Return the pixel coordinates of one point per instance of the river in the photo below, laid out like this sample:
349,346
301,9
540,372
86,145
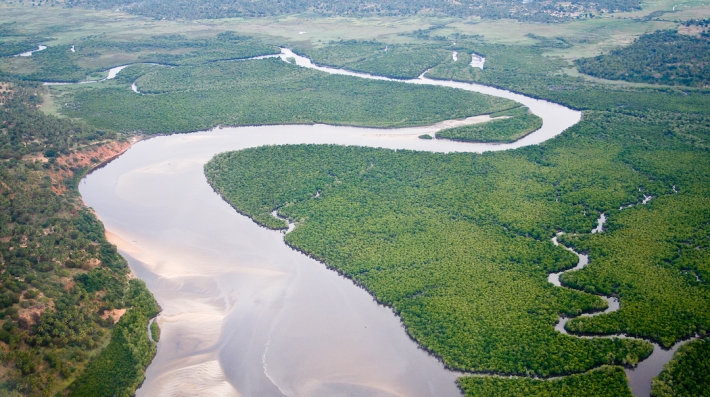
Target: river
243,314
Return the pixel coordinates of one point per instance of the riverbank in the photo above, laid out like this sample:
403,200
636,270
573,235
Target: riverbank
76,305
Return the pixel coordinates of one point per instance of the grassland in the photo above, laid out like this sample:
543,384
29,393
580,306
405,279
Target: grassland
548,11
590,37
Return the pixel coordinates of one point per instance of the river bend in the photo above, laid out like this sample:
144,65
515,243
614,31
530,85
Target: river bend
243,314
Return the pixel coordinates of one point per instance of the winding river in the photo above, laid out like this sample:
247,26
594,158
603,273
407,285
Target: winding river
642,375
243,314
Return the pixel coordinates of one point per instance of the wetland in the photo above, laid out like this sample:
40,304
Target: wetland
548,237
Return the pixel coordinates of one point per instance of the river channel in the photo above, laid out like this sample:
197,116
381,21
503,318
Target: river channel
242,313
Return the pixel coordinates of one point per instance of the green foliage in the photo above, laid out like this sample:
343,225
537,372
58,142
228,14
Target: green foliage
155,331
92,56
547,11
511,126
59,274
26,132
525,69
267,91
602,382
655,258
120,368
661,57
398,61
424,233
687,374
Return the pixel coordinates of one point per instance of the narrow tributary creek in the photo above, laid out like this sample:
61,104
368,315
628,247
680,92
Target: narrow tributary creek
642,375
245,315
29,53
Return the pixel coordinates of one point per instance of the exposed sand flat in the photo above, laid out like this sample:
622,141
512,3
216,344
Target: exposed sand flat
205,379
395,136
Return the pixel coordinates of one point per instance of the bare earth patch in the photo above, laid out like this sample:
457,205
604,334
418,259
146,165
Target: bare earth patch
115,314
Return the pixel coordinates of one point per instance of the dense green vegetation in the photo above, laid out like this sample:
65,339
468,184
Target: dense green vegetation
155,331
541,11
120,367
31,132
60,277
192,98
392,60
646,252
94,55
13,42
662,57
458,244
687,374
524,69
603,382
425,233
511,126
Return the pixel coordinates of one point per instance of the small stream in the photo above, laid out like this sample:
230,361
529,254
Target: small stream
640,377
29,53
110,75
